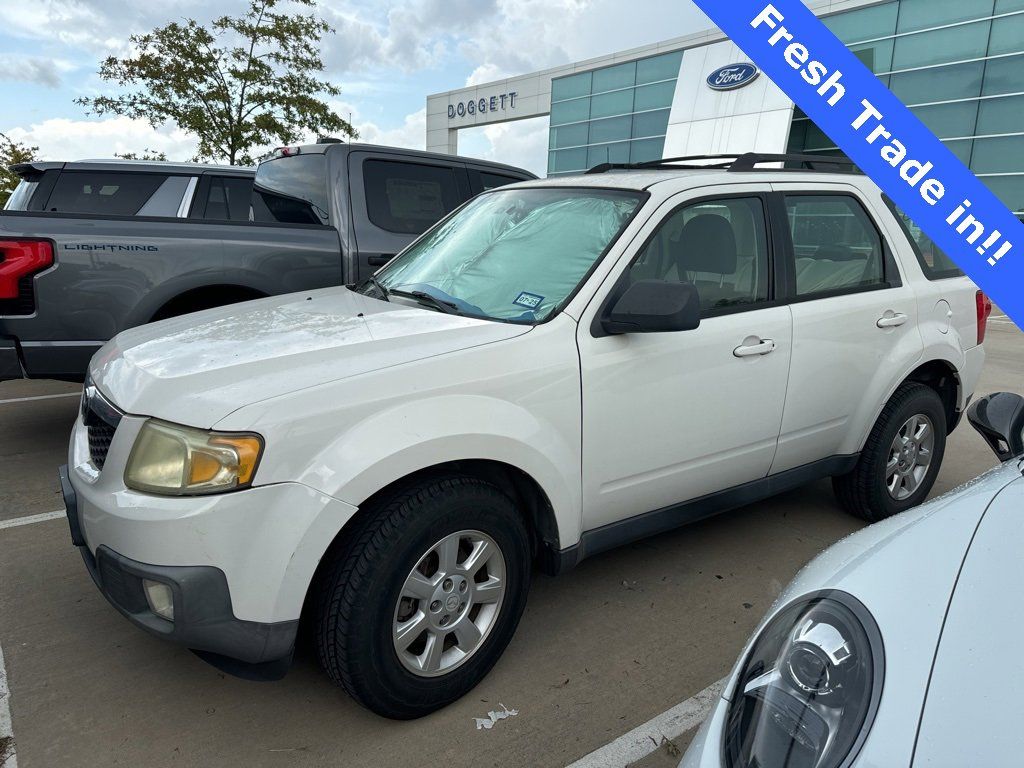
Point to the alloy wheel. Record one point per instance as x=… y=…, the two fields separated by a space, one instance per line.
x=910 y=457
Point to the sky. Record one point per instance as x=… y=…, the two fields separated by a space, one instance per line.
x=385 y=57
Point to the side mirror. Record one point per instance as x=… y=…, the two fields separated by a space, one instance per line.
x=654 y=306
x=999 y=418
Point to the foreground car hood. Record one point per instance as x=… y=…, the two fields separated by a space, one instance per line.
x=198 y=368
x=973 y=709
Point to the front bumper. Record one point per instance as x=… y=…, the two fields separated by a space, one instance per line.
x=239 y=565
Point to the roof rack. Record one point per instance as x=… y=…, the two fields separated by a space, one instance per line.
x=740 y=163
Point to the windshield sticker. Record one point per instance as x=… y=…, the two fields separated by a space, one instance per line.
x=528 y=300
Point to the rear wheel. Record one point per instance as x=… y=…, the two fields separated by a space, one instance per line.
x=419 y=606
x=901 y=459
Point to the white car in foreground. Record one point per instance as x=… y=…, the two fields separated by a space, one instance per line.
x=899 y=646
x=557 y=368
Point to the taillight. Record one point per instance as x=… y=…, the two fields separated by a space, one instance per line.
x=19 y=258
x=984 y=310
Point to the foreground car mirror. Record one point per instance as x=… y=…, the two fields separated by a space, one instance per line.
x=654 y=306
x=999 y=418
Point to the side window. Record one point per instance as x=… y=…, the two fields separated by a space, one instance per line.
x=934 y=261
x=228 y=199
x=495 y=180
x=836 y=245
x=112 y=194
x=166 y=201
x=407 y=198
x=721 y=246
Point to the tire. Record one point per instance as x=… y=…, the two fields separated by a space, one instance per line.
x=865 y=492
x=360 y=601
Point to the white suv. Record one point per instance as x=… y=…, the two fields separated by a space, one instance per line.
x=557 y=368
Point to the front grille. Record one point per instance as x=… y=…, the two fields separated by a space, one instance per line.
x=101 y=419
x=100 y=436
x=25 y=303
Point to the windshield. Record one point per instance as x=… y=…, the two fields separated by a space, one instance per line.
x=291 y=190
x=514 y=255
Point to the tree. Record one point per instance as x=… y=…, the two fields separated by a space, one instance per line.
x=12 y=153
x=245 y=82
x=146 y=154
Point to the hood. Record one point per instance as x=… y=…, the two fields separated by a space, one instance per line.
x=972 y=714
x=198 y=368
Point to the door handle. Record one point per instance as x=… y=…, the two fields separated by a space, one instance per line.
x=764 y=347
x=379 y=261
x=892 y=320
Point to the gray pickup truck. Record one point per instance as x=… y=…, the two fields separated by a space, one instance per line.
x=89 y=249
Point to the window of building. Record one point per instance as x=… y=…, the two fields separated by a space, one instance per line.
x=614 y=78
x=573 y=111
x=941 y=46
x=720 y=246
x=657 y=96
x=608 y=153
x=650 y=123
x=575 y=135
x=111 y=194
x=836 y=247
x=1007 y=35
x=923 y=86
x=1001 y=116
x=926 y=14
x=571 y=87
x=612 y=129
x=614 y=103
x=1004 y=154
x=1009 y=189
x=646 y=150
x=657 y=68
x=1004 y=76
x=864 y=24
x=408 y=198
x=949 y=121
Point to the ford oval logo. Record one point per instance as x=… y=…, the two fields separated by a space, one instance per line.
x=733 y=76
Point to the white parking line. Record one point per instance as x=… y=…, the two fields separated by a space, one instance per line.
x=40 y=397
x=8 y=757
x=30 y=520
x=646 y=738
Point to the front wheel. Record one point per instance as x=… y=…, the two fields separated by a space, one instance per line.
x=415 y=611
x=901 y=459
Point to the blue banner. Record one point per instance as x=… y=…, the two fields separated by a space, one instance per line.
x=884 y=138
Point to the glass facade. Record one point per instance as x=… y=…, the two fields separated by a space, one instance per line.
x=616 y=114
x=959 y=66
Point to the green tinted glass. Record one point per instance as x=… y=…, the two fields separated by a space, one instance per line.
x=567 y=160
x=961 y=81
x=1004 y=76
x=1001 y=115
x=650 y=123
x=570 y=111
x=865 y=24
x=615 y=103
x=654 y=96
x=608 y=153
x=571 y=87
x=1006 y=6
x=613 y=78
x=876 y=56
x=613 y=129
x=950 y=120
x=1009 y=189
x=925 y=14
x=962 y=149
x=1007 y=35
x=941 y=46
x=664 y=67
x=575 y=135
x=1000 y=155
x=645 y=150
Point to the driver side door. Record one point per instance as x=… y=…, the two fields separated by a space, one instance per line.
x=670 y=417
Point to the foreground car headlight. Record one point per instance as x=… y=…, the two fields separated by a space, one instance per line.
x=808 y=690
x=174 y=460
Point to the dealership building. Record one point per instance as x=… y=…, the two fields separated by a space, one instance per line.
x=959 y=65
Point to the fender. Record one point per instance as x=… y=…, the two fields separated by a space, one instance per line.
x=360 y=462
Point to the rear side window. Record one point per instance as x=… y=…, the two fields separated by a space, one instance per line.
x=408 y=198
x=292 y=190
x=18 y=201
x=108 y=194
x=836 y=245
x=228 y=199
x=934 y=262
x=495 y=180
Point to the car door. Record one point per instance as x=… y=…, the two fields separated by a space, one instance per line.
x=395 y=199
x=671 y=417
x=855 y=322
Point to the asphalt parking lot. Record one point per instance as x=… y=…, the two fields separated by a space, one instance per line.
x=601 y=650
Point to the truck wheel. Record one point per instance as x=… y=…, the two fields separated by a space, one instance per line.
x=901 y=459
x=417 y=608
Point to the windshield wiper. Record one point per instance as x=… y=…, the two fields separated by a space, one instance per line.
x=448 y=307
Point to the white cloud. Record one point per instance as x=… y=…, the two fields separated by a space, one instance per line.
x=33 y=69
x=64 y=139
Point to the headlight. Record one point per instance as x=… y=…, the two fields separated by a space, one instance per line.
x=181 y=461
x=808 y=690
